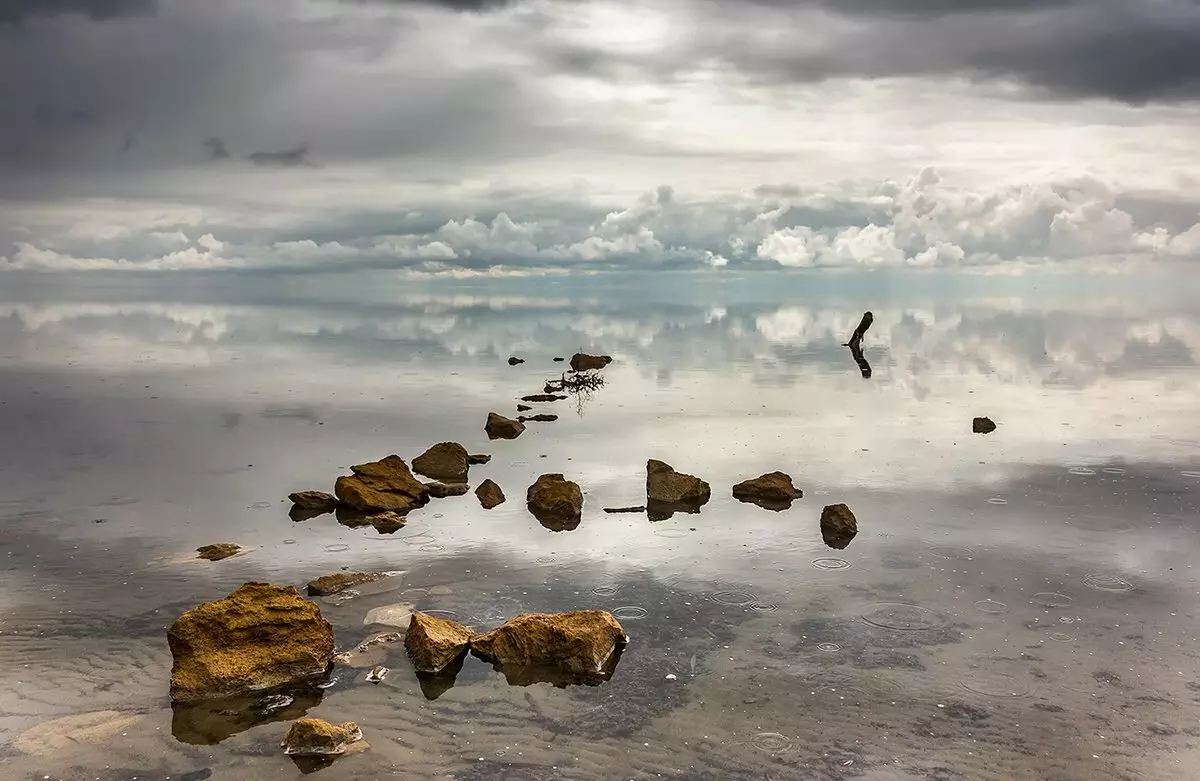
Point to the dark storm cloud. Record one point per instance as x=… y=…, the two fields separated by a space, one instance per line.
x=13 y=11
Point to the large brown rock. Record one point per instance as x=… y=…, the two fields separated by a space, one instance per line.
x=445 y=461
x=386 y=485
x=433 y=643
x=318 y=738
x=773 y=491
x=664 y=484
x=580 y=642
x=838 y=526
x=258 y=637
x=500 y=427
x=490 y=494
x=340 y=581
x=314 y=501
x=582 y=362
x=556 y=502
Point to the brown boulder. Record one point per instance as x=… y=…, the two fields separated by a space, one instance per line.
x=581 y=642
x=318 y=738
x=582 y=362
x=433 y=643
x=500 y=427
x=314 y=501
x=218 y=551
x=773 y=491
x=556 y=502
x=490 y=494
x=445 y=461
x=478 y=458
x=838 y=526
x=664 y=484
x=258 y=637
x=983 y=425
x=386 y=485
x=327 y=585
x=443 y=490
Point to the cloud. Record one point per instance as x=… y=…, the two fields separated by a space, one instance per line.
x=15 y=11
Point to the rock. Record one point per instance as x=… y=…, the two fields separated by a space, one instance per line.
x=523 y=408
x=445 y=461
x=370 y=653
x=53 y=738
x=478 y=458
x=443 y=490
x=543 y=418
x=397 y=615
x=638 y=509
x=543 y=397
x=317 y=738
x=838 y=526
x=260 y=636
x=556 y=502
x=513 y=361
x=490 y=495
x=772 y=491
x=500 y=427
x=433 y=643
x=331 y=584
x=314 y=501
x=582 y=362
x=983 y=425
x=221 y=550
x=386 y=485
x=580 y=642
x=552 y=387
x=559 y=360
x=665 y=485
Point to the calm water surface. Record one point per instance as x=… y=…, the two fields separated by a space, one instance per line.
x=1017 y=605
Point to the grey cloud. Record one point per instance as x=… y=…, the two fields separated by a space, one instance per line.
x=14 y=11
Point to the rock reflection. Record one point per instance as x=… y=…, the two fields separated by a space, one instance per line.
x=435 y=684
x=528 y=675
x=208 y=722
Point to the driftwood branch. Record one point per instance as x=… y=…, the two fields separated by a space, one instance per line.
x=855 y=344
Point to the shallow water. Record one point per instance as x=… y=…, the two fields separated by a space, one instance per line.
x=1016 y=605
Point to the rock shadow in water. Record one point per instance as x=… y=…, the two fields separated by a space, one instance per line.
x=518 y=675
x=208 y=722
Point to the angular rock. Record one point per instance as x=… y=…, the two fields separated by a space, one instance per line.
x=490 y=494
x=478 y=458
x=433 y=643
x=582 y=362
x=314 y=501
x=218 y=551
x=983 y=425
x=580 y=642
x=514 y=361
x=445 y=461
x=500 y=427
x=523 y=408
x=543 y=418
x=772 y=491
x=327 y=585
x=318 y=738
x=386 y=485
x=556 y=502
x=543 y=397
x=838 y=526
x=258 y=637
x=664 y=484
x=443 y=490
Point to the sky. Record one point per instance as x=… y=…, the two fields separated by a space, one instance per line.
x=485 y=137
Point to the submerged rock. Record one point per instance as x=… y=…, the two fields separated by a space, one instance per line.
x=772 y=491
x=523 y=408
x=514 y=361
x=478 y=458
x=397 y=615
x=543 y=397
x=318 y=738
x=669 y=492
x=580 y=642
x=314 y=501
x=371 y=652
x=556 y=502
x=53 y=738
x=260 y=636
x=327 y=585
x=983 y=425
x=838 y=526
x=445 y=461
x=500 y=427
x=543 y=418
x=490 y=494
x=443 y=490
x=386 y=485
x=433 y=643
x=208 y=722
x=218 y=551
x=582 y=362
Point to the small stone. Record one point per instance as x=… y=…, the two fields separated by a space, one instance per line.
x=500 y=427
x=581 y=362
x=513 y=361
x=377 y=674
x=672 y=677
x=432 y=643
x=523 y=408
x=478 y=458
x=318 y=738
x=772 y=491
x=983 y=425
x=218 y=551
x=444 y=490
x=543 y=397
x=327 y=585
x=543 y=418
x=490 y=494
x=314 y=501
x=445 y=461
x=559 y=359
x=838 y=526
x=556 y=502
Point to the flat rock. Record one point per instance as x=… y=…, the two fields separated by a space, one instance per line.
x=558 y=359
x=773 y=491
x=478 y=458
x=514 y=361
x=218 y=551
x=500 y=427
x=582 y=362
x=371 y=652
x=445 y=461
x=983 y=425
x=314 y=501
x=258 y=637
x=397 y=615
x=579 y=642
x=386 y=485
x=665 y=485
x=838 y=526
x=318 y=738
x=66 y=734
x=490 y=494
x=543 y=397
x=556 y=502
x=641 y=508
x=523 y=408
x=542 y=418
x=433 y=643
x=339 y=581
x=443 y=490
